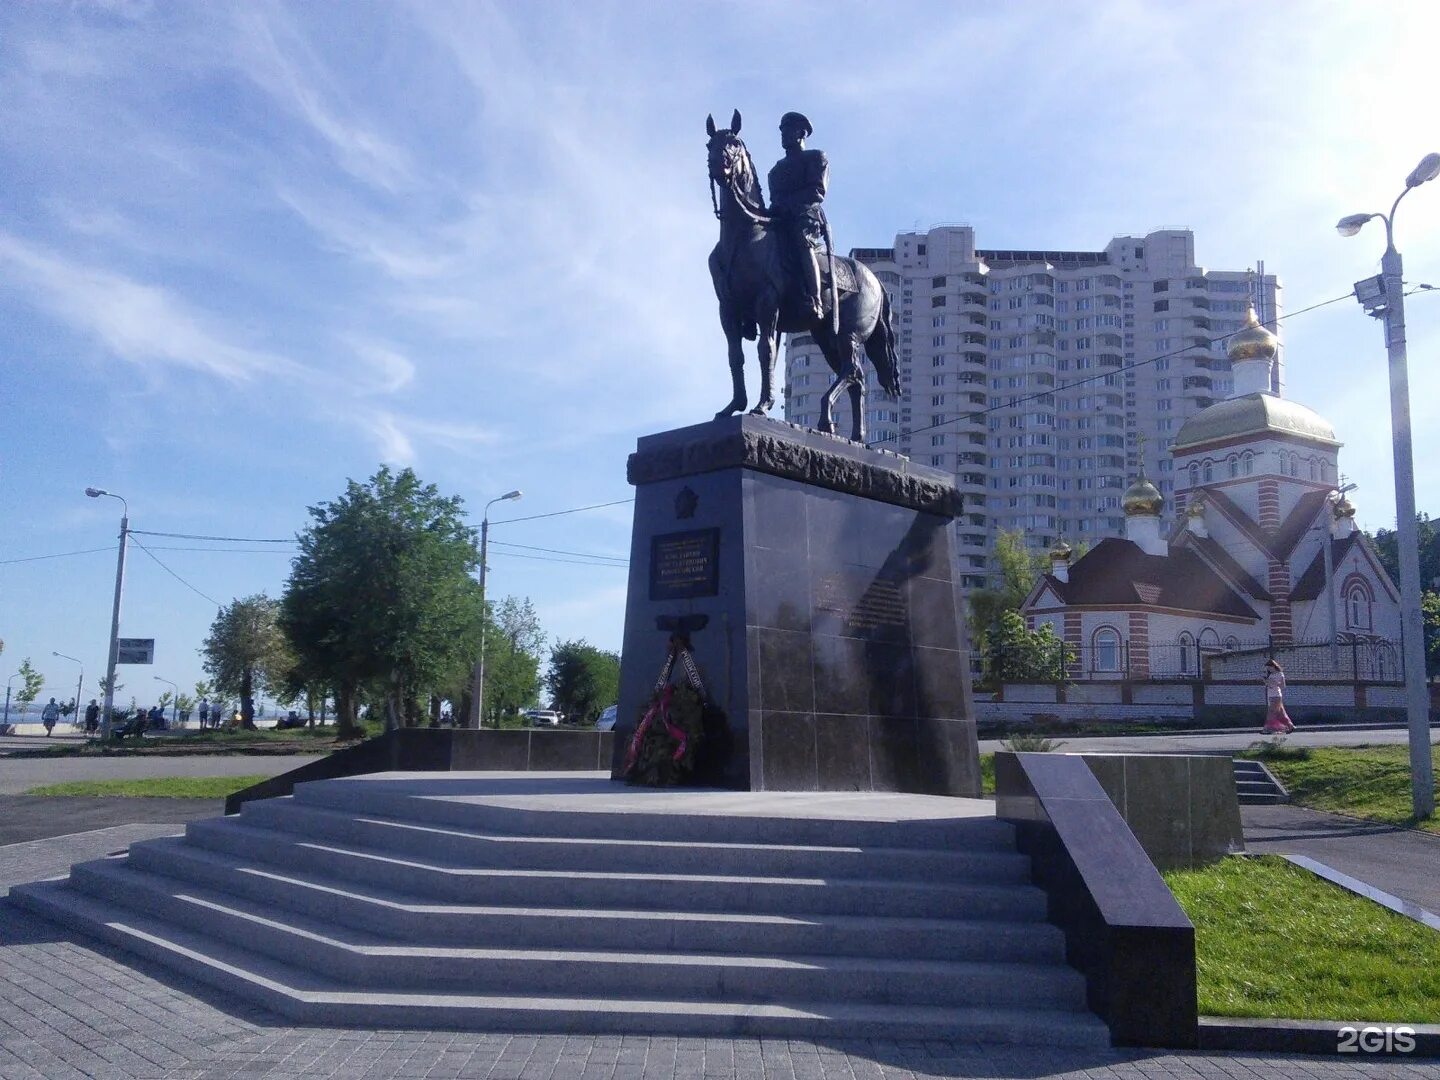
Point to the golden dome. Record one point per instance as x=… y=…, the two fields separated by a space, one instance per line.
x=1344 y=508
x=1195 y=509
x=1142 y=498
x=1253 y=414
x=1061 y=551
x=1254 y=342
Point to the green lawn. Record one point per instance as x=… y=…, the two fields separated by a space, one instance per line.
x=165 y=787
x=1273 y=940
x=1362 y=781
x=987 y=775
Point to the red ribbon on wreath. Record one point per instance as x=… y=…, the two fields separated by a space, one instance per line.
x=660 y=710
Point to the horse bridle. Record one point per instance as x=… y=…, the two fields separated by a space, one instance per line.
x=760 y=217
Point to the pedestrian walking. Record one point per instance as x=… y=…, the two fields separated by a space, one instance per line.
x=50 y=716
x=1277 y=720
x=204 y=712
x=92 y=717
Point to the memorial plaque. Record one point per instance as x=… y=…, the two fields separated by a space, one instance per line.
x=685 y=564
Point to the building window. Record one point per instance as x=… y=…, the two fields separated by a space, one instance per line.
x=1234 y=466
x=1189 y=661
x=1248 y=462
x=1209 y=470
x=1105 y=649
x=1357 y=606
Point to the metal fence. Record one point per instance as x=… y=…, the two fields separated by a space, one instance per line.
x=1369 y=661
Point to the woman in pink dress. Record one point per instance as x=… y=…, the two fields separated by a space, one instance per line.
x=1276 y=718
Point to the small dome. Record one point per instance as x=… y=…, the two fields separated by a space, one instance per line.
x=1060 y=552
x=1142 y=498
x=1254 y=342
x=1344 y=508
x=1195 y=509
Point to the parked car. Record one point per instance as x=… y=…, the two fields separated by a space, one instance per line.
x=607 y=719
x=544 y=717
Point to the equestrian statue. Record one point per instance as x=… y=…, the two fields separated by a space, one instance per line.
x=767 y=274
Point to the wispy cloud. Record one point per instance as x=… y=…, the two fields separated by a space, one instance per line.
x=277 y=58
x=143 y=323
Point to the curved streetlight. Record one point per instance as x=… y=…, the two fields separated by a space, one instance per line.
x=477 y=694
x=95 y=493
x=1383 y=297
x=79 y=686
x=174 y=702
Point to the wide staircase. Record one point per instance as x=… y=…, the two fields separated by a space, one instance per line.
x=356 y=902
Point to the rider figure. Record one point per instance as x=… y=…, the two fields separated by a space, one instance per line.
x=797 y=188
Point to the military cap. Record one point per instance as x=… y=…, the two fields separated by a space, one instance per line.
x=797 y=119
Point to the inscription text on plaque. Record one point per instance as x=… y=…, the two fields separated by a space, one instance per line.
x=685 y=564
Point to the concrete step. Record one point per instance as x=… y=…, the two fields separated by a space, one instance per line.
x=1255 y=785
x=444 y=802
x=399 y=917
x=565 y=889
x=488 y=849
x=307 y=998
x=362 y=961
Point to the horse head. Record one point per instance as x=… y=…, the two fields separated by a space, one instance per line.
x=730 y=163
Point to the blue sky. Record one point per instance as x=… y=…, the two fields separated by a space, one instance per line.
x=249 y=250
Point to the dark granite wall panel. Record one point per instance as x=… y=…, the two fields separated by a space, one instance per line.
x=834 y=639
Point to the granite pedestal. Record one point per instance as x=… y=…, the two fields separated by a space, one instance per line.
x=813 y=577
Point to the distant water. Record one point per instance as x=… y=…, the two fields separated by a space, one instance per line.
x=30 y=724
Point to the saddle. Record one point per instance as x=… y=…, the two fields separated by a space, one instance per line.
x=793 y=311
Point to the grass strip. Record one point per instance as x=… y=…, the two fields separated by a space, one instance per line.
x=1362 y=781
x=156 y=787
x=1273 y=940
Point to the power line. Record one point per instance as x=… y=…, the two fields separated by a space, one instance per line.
x=176 y=576
x=249 y=551
x=231 y=539
x=557 y=551
x=1010 y=403
x=548 y=558
x=56 y=555
x=558 y=513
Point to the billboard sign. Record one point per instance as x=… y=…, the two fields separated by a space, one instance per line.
x=135 y=650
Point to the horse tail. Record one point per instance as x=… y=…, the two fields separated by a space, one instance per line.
x=880 y=347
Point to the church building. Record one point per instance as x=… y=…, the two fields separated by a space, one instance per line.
x=1264 y=556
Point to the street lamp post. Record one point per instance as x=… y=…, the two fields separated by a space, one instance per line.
x=95 y=493
x=1384 y=298
x=174 y=702
x=79 y=686
x=477 y=693
x=7 y=697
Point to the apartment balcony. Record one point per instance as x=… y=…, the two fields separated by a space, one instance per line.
x=1197 y=382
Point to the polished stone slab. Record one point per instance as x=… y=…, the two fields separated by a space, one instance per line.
x=816 y=577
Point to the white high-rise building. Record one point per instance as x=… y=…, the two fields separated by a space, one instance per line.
x=1033 y=374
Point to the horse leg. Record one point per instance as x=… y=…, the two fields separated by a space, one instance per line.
x=737 y=368
x=769 y=325
x=826 y=422
x=855 y=381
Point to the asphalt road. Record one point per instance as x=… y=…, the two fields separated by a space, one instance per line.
x=1402 y=862
x=25 y=817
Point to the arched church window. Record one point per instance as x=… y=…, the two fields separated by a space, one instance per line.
x=1105 y=647
x=1314 y=469
x=1189 y=662
x=1325 y=472
x=1357 y=604
x=1232 y=643
x=1234 y=466
x=1194 y=474
x=1209 y=640
x=1248 y=462
x=1209 y=470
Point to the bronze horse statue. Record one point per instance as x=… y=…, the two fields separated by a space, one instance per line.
x=758 y=297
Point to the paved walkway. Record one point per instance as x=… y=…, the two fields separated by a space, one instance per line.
x=1402 y=862
x=33 y=817
x=1218 y=742
x=72 y=1008
x=21 y=774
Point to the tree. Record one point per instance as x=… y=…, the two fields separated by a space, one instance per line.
x=1019 y=654
x=32 y=682
x=246 y=651
x=1427 y=539
x=1430 y=614
x=1018 y=568
x=105 y=685
x=583 y=680
x=185 y=705
x=204 y=689
x=381 y=595
x=514 y=647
